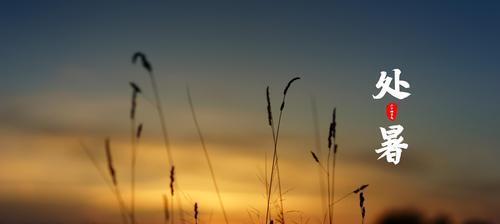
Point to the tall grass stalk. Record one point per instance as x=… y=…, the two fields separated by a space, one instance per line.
x=111 y=187
x=159 y=108
x=172 y=192
x=362 y=206
x=133 y=138
x=319 y=152
x=335 y=148
x=332 y=147
x=166 y=215
x=196 y=213
x=205 y=151
x=356 y=191
x=329 y=190
x=113 y=175
x=275 y=165
x=330 y=165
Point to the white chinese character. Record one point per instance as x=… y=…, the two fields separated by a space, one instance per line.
x=393 y=146
x=384 y=82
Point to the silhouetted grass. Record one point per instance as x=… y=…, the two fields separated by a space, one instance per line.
x=362 y=206
x=168 y=202
x=275 y=164
x=318 y=154
x=205 y=152
x=357 y=190
x=133 y=138
x=111 y=187
x=114 y=179
x=159 y=108
x=172 y=192
x=196 y=213
x=139 y=56
x=331 y=184
x=165 y=209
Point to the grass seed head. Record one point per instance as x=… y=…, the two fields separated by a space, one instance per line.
x=269 y=111
x=109 y=157
x=139 y=131
x=145 y=63
x=315 y=157
x=172 y=180
x=362 y=187
x=196 y=211
x=289 y=84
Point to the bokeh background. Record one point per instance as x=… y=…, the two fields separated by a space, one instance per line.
x=65 y=70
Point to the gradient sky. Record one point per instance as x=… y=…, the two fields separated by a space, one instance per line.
x=66 y=65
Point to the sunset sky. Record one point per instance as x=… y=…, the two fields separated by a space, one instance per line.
x=65 y=70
